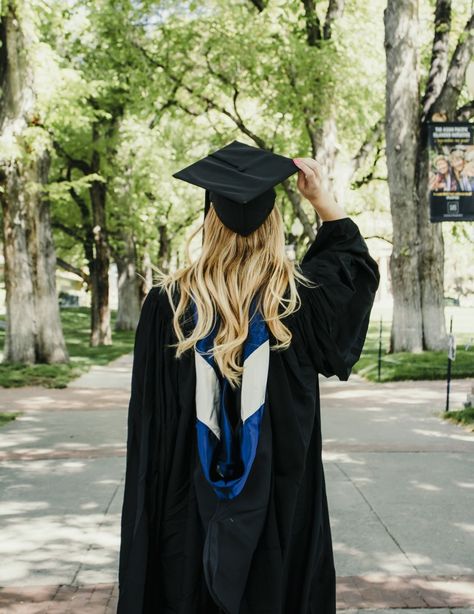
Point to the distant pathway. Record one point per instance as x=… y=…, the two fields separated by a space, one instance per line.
x=400 y=489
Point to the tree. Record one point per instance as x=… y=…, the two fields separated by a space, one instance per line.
x=281 y=90
x=418 y=255
x=101 y=93
x=34 y=332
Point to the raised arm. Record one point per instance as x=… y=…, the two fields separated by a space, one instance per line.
x=334 y=315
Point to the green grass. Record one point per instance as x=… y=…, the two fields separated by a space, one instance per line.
x=395 y=367
x=464 y=417
x=76 y=327
x=405 y=366
x=426 y=365
x=5 y=418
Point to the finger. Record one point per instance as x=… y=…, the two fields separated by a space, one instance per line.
x=311 y=178
x=313 y=164
x=308 y=171
x=301 y=181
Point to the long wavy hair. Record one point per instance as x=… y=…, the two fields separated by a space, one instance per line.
x=230 y=271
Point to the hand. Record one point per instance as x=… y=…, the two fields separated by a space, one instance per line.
x=310 y=185
x=436 y=183
x=309 y=178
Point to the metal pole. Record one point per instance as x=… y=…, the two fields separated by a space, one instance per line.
x=448 y=382
x=379 y=365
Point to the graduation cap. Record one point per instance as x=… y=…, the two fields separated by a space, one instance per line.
x=239 y=180
x=458 y=147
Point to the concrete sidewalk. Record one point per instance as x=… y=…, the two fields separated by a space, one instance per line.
x=400 y=489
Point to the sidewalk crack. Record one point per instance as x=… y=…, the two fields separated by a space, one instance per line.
x=89 y=547
x=377 y=516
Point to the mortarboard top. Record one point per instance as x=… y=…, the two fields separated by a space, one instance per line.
x=458 y=147
x=239 y=180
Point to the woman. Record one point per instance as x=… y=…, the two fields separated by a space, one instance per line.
x=441 y=179
x=468 y=170
x=188 y=545
x=457 y=160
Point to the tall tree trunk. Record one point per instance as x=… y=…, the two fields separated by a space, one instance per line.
x=101 y=333
x=164 y=248
x=146 y=280
x=34 y=332
x=20 y=310
x=441 y=97
x=444 y=84
x=128 y=287
x=50 y=345
x=431 y=262
x=401 y=129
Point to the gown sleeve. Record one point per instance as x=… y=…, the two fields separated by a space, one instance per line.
x=334 y=315
x=133 y=530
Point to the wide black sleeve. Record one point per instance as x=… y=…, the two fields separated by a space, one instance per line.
x=134 y=529
x=334 y=315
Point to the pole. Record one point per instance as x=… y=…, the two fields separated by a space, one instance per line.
x=379 y=364
x=448 y=382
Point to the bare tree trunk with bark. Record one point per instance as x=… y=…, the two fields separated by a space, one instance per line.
x=50 y=345
x=101 y=332
x=20 y=309
x=34 y=332
x=401 y=130
x=431 y=262
x=406 y=128
x=444 y=85
x=128 y=286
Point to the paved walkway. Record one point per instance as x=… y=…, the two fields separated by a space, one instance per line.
x=400 y=489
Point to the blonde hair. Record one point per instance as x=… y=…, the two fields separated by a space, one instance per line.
x=231 y=270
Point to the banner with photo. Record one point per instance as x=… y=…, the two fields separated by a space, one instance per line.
x=451 y=171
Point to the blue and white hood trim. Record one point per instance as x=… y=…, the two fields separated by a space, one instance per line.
x=223 y=451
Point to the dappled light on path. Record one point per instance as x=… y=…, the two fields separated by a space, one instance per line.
x=399 y=483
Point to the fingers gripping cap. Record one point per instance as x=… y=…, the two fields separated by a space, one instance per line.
x=239 y=180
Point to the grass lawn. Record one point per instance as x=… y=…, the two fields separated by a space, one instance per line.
x=76 y=326
x=395 y=367
x=5 y=418
x=465 y=417
x=426 y=365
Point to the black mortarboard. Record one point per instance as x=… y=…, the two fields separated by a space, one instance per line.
x=239 y=180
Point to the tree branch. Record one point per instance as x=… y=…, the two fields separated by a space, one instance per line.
x=309 y=118
x=379 y=237
x=373 y=141
x=83 y=208
x=71 y=232
x=236 y=118
x=358 y=183
x=210 y=104
x=3 y=64
x=439 y=55
x=447 y=100
x=166 y=105
x=465 y=112
x=295 y=199
x=259 y=4
x=88 y=239
x=72 y=269
x=313 y=25
x=334 y=12
x=80 y=165
x=188 y=221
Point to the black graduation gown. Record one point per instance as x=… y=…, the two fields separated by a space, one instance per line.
x=269 y=550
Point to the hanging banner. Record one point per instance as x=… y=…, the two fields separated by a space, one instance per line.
x=451 y=171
